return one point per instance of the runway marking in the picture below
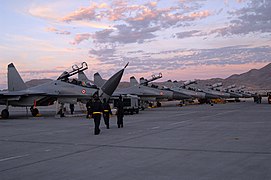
(14, 157)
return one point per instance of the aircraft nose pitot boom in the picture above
(111, 84)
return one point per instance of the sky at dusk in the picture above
(183, 39)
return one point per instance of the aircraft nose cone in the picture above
(110, 86)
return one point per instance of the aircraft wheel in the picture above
(35, 112)
(159, 104)
(5, 114)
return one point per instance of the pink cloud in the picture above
(122, 11)
(80, 37)
(52, 29)
(88, 13)
(80, 14)
(201, 14)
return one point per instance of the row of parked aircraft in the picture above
(70, 90)
(188, 90)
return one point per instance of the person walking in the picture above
(260, 99)
(120, 113)
(72, 108)
(97, 110)
(106, 113)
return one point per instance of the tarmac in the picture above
(224, 141)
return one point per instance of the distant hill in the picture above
(255, 79)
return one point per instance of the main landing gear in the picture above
(34, 111)
(5, 114)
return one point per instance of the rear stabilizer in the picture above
(82, 77)
(133, 81)
(111, 84)
(15, 81)
(98, 80)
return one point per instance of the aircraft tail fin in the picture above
(143, 81)
(82, 77)
(15, 81)
(111, 84)
(133, 81)
(98, 80)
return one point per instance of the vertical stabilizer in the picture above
(98, 80)
(82, 77)
(111, 84)
(133, 81)
(143, 81)
(15, 82)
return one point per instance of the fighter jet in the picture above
(181, 92)
(245, 94)
(210, 92)
(165, 92)
(62, 90)
(233, 94)
(173, 94)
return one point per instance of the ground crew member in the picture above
(120, 113)
(88, 106)
(106, 113)
(256, 98)
(260, 99)
(269, 97)
(72, 108)
(97, 110)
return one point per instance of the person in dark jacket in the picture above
(72, 108)
(88, 106)
(106, 113)
(97, 110)
(120, 113)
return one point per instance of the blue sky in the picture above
(183, 39)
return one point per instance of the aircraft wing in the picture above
(39, 93)
(18, 93)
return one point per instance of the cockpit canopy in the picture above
(80, 83)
